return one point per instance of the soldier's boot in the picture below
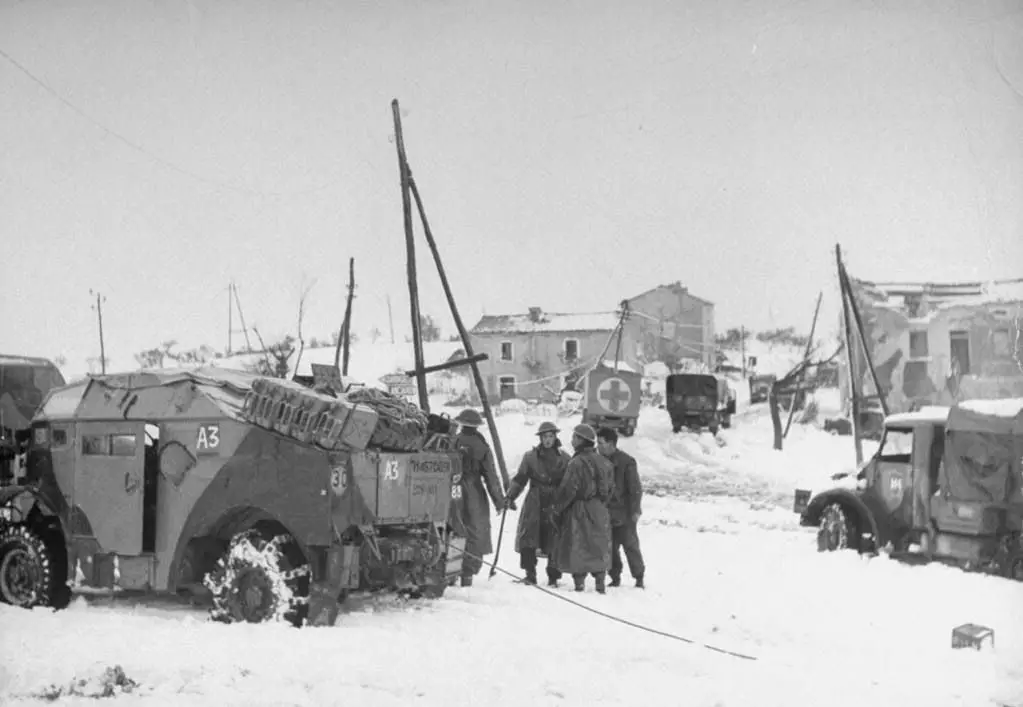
(639, 582)
(616, 581)
(580, 582)
(599, 578)
(530, 577)
(466, 580)
(552, 579)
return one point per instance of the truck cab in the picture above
(943, 485)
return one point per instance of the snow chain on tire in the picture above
(275, 564)
(27, 574)
(402, 425)
(847, 530)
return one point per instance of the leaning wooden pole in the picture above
(464, 335)
(410, 260)
(806, 357)
(863, 338)
(851, 366)
(346, 334)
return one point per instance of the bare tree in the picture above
(303, 295)
(778, 386)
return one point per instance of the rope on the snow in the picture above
(618, 619)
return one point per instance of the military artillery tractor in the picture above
(946, 484)
(271, 500)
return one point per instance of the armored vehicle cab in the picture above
(24, 382)
(270, 499)
(945, 484)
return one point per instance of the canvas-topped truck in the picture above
(612, 398)
(946, 484)
(271, 500)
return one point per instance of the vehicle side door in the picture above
(891, 493)
(109, 483)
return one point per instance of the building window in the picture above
(506, 351)
(571, 349)
(959, 347)
(507, 389)
(1000, 343)
(918, 344)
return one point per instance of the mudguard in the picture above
(812, 515)
(17, 502)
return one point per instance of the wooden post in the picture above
(850, 367)
(346, 333)
(102, 348)
(230, 314)
(410, 259)
(464, 335)
(390, 318)
(742, 349)
(863, 338)
(806, 357)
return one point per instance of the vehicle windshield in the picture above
(897, 445)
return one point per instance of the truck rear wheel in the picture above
(1014, 566)
(837, 530)
(260, 579)
(30, 572)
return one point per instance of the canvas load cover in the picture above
(983, 459)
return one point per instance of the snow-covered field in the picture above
(728, 565)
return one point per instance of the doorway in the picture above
(150, 486)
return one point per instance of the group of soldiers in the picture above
(580, 512)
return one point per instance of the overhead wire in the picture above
(136, 147)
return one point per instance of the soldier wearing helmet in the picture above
(470, 511)
(542, 469)
(580, 503)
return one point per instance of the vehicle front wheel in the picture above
(30, 573)
(837, 531)
(259, 580)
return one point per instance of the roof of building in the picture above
(671, 286)
(941, 296)
(548, 322)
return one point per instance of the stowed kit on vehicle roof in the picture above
(279, 498)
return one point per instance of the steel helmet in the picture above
(586, 432)
(469, 418)
(547, 427)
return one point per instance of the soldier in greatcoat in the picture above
(470, 509)
(625, 508)
(542, 469)
(580, 506)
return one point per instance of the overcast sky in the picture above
(570, 154)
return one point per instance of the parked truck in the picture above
(946, 484)
(612, 398)
(273, 501)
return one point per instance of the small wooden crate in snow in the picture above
(972, 636)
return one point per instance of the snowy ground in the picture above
(728, 567)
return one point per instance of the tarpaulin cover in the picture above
(982, 461)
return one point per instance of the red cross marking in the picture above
(613, 394)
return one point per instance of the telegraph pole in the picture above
(742, 348)
(99, 313)
(230, 312)
(390, 317)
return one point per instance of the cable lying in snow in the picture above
(618, 619)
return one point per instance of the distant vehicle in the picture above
(24, 382)
(945, 484)
(612, 399)
(699, 400)
(760, 387)
(271, 500)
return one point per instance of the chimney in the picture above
(534, 314)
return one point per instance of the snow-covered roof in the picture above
(545, 322)
(928, 413)
(622, 365)
(1006, 407)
